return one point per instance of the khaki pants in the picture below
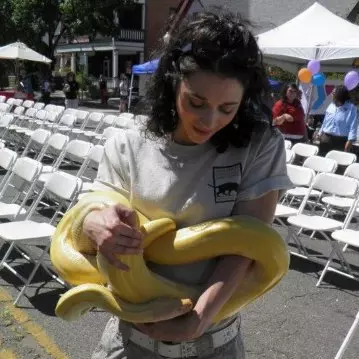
(114, 344)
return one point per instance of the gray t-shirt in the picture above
(191, 184)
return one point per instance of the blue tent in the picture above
(146, 68)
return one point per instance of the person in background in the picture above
(71, 89)
(103, 90)
(46, 90)
(340, 124)
(123, 87)
(288, 115)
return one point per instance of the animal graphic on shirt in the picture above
(226, 183)
(226, 189)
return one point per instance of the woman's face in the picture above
(206, 103)
(291, 94)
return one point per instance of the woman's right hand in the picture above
(113, 232)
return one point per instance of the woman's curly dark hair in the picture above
(220, 43)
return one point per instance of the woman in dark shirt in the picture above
(288, 115)
(71, 89)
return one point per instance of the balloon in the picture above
(305, 75)
(314, 66)
(351, 80)
(318, 79)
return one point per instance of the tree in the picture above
(37, 20)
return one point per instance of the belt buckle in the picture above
(188, 350)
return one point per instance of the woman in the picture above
(208, 128)
(123, 87)
(340, 125)
(288, 114)
(71, 89)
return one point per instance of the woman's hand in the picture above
(184, 328)
(279, 120)
(348, 146)
(288, 118)
(113, 232)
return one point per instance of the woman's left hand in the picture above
(184, 328)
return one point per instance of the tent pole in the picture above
(130, 96)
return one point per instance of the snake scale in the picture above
(141, 296)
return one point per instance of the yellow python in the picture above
(142, 296)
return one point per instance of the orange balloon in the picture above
(305, 75)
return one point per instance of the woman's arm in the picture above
(353, 128)
(224, 281)
(231, 270)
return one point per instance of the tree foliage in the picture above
(41, 23)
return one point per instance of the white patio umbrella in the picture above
(19, 51)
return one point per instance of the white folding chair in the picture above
(321, 164)
(37, 141)
(91, 122)
(348, 338)
(81, 117)
(343, 158)
(64, 189)
(4, 107)
(304, 150)
(18, 102)
(289, 156)
(18, 188)
(28, 104)
(53, 150)
(10, 101)
(2, 99)
(19, 111)
(287, 144)
(6, 122)
(107, 121)
(7, 162)
(328, 183)
(65, 123)
(92, 162)
(343, 203)
(76, 152)
(108, 133)
(39, 105)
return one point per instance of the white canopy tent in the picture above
(316, 33)
(19, 51)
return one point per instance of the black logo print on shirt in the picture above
(226, 182)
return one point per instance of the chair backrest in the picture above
(50, 108)
(321, 164)
(52, 116)
(110, 132)
(64, 185)
(79, 149)
(287, 144)
(96, 154)
(39, 105)
(335, 184)
(300, 176)
(67, 120)
(94, 119)
(289, 155)
(2, 99)
(18, 102)
(81, 116)
(28, 103)
(19, 110)
(59, 109)
(7, 158)
(6, 120)
(58, 141)
(40, 136)
(342, 158)
(127, 114)
(41, 115)
(70, 111)
(31, 112)
(352, 171)
(10, 101)
(305, 150)
(27, 168)
(109, 120)
(5, 107)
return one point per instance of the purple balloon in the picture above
(351, 80)
(313, 66)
